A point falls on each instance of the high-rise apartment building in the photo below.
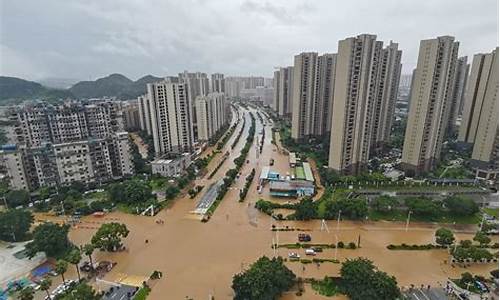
(218, 84)
(131, 118)
(283, 91)
(211, 115)
(171, 117)
(430, 100)
(38, 124)
(145, 113)
(460, 81)
(480, 113)
(389, 74)
(313, 85)
(359, 62)
(86, 161)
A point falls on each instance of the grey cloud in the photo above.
(92, 38)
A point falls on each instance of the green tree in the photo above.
(465, 243)
(61, 268)
(27, 293)
(74, 257)
(461, 206)
(109, 236)
(16, 198)
(81, 291)
(266, 279)
(466, 278)
(424, 207)
(130, 192)
(50, 238)
(88, 249)
(171, 192)
(444, 237)
(351, 208)
(482, 238)
(15, 224)
(45, 286)
(305, 209)
(362, 280)
(384, 203)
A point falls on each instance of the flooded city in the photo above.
(198, 259)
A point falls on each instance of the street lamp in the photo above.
(408, 220)
(338, 220)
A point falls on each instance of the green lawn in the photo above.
(492, 212)
(142, 294)
(326, 287)
(401, 215)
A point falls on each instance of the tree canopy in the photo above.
(461, 206)
(15, 224)
(384, 203)
(16, 198)
(50, 238)
(305, 209)
(130, 192)
(362, 280)
(444, 237)
(109, 236)
(266, 279)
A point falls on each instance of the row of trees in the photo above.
(248, 182)
(269, 278)
(355, 208)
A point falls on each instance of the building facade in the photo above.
(218, 84)
(171, 117)
(431, 95)
(283, 91)
(389, 74)
(211, 115)
(461, 74)
(313, 85)
(479, 125)
(355, 95)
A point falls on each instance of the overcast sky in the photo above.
(88, 39)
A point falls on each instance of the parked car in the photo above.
(303, 237)
(310, 252)
(293, 255)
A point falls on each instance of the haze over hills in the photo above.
(114, 85)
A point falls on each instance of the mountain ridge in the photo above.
(113, 85)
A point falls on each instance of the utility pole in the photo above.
(338, 221)
(408, 220)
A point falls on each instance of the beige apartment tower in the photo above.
(430, 100)
(389, 75)
(461, 73)
(355, 94)
(313, 84)
(480, 112)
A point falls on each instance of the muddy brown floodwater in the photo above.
(199, 259)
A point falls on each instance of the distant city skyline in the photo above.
(92, 39)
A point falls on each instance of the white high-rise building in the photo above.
(430, 100)
(283, 91)
(218, 84)
(171, 117)
(211, 115)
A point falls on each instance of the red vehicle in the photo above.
(303, 237)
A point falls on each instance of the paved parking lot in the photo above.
(425, 294)
(123, 292)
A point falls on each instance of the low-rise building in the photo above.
(171, 167)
